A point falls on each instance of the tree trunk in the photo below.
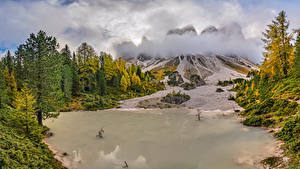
(40, 118)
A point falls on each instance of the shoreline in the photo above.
(65, 161)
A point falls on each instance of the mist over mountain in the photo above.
(227, 40)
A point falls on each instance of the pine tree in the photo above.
(67, 75)
(67, 79)
(101, 83)
(10, 82)
(4, 98)
(42, 72)
(139, 72)
(297, 55)
(9, 61)
(19, 73)
(278, 48)
(25, 106)
(75, 75)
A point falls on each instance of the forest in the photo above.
(39, 81)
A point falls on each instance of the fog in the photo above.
(227, 40)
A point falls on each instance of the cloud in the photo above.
(227, 40)
(103, 23)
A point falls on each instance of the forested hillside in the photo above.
(39, 81)
(271, 97)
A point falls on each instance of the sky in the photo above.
(105, 23)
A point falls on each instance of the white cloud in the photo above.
(103, 23)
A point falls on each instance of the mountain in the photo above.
(189, 29)
(219, 67)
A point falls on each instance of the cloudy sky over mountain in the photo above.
(103, 23)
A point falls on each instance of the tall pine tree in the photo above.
(42, 71)
(297, 54)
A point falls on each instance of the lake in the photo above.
(156, 139)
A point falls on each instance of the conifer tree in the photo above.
(9, 61)
(4, 98)
(109, 66)
(10, 82)
(24, 104)
(67, 76)
(19, 73)
(278, 48)
(75, 75)
(42, 71)
(101, 83)
(136, 81)
(123, 83)
(297, 56)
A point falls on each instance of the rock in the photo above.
(219, 90)
(49, 134)
(209, 30)
(65, 154)
(189, 29)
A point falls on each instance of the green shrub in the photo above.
(253, 121)
(272, 161)
(231, 97)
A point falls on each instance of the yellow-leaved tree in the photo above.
(278, 48)
(136, 81)
(109, 66)
(123, 84)
(24, 104)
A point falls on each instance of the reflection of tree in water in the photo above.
(112, 159)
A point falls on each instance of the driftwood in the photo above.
(100, 133)
(126, 165)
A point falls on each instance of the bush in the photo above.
(272, 161)
(175, 98)
(188, 86)
(253, 121)
(231, 97)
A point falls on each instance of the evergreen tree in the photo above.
(67, 81)
(11, 85)
(75, 75)
(101, 83)
(67, 75)
(139, 72)
(297, 54)
(66, 55)
(278, 47)
(19, 74)
(9, 61)
(42, 69)
(4, 98)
